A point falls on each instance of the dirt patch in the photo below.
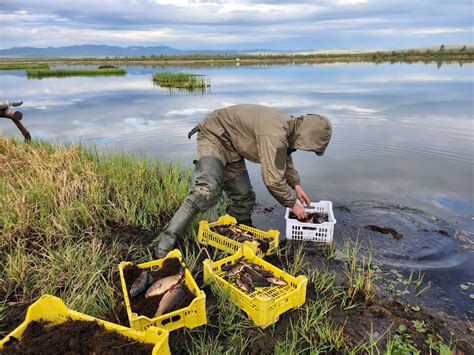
(148, 306)
(129, 235)
(384, 230)
(73, 337)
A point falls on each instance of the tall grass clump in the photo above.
(359, 274)
(61, 73)
(178, 80)
(60, 210)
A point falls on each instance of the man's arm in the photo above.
(291, 175)
(272, 151)
(293, 179)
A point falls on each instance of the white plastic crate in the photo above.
(311, 232)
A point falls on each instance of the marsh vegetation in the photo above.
(60, 73)
(182, 81)
(439, 56)
(23, 66)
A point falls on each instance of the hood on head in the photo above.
(312, 133)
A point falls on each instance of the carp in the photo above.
(237, 268)
(263, 272)
(161, 286)
(276, 281)
(171, 299)
(242, 285)
(248, 281)
(141, 283)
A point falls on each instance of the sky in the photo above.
(246, 24)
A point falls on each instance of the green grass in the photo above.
(359, 274)
(58, 206)
(61, 73)
(178, 80)
(21, 66)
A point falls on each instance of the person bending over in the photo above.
(228, 136)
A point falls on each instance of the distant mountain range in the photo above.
(92, 50)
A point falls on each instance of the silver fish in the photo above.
(276, 281)
(161, 286)
(141, 283)
(237, 268)
(171, 299)
(242, 285)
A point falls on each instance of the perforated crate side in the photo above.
(265, 304)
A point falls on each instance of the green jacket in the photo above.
(266, 136)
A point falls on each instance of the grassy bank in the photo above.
(22, 66)
(69, 215)
(178, 80)
(60, 73)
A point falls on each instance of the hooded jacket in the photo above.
(267, 136)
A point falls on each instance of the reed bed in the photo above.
(62, 73)
(178, 80)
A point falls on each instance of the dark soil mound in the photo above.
(74, 337)
(148, 306)
(384, 230)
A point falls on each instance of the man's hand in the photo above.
(298, 210)
(301, 195)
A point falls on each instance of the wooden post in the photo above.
(16, 117)
(11, 113)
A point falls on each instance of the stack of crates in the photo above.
(263, 305)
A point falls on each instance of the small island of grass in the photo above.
(60, 73)
(179, 80)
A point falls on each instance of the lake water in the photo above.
(401, 153)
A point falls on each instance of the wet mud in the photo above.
(148, 306)
(73, 337)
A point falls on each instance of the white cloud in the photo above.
(237, 24)
(187, 111)
(351, 2)
(352, 108)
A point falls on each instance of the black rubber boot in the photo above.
(177, 226)
(205, 194)
(242, 198)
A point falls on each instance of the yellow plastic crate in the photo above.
(52, 309)
(265, 304)
(192, 316)
(207, 237)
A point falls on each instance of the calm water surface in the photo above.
(401, 153)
